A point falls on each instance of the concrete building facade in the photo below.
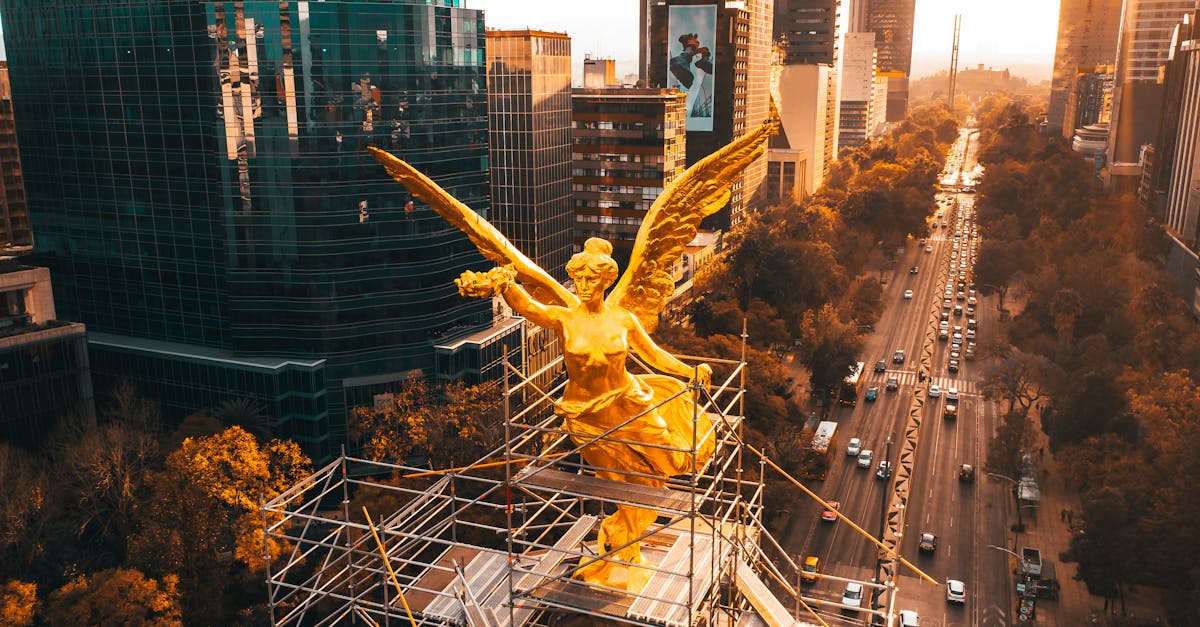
(16, 236)
(630, 144)
(857, 109)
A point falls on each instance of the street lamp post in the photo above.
(1016, 495)
(1000, 548)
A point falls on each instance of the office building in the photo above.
(199, 186)
(808, 129)
(15, 235)
(1180, 159)
(44, 372)
(1145, 42)
(857, 115)
(1087, 37)
(811, 33)
(808, 30)
(892, 23)
(787, 176)
(719, 54)
(599, 73)
(529, 143)
(630, 144)
(1090, 99)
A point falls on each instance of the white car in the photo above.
(853, 595)
(956, 591)
(909, 618)
(853, 447)
(952, 394)
(907, 294)
(934, 390)
(864, 458)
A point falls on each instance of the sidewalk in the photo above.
(1050, 532)
(1048, 529)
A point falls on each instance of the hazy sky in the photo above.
(1018, 34)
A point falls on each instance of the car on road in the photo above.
(898, 356)
(966, 473)
(884, 471)
(909, 618)
(881, 366)
(957, 337)
(972, 301)
(951, 394)
(864, 458)
(956, 591)
(852, 596)
(970, 334)
(944, 325)
(893, 383)
(913, 270)
(872, 393)
(929, 249)
(954, 354)
(969, 354)
(829, 514)
(934, 390)
(943, 334)
(908, 294)
(811, 569)
(928, 543)
(853, 447)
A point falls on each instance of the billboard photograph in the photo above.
(691, 55)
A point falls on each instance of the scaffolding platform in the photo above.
(478, 547)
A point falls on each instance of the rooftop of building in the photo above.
(525, 32)
(623, 91)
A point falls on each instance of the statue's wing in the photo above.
(673, 220)
(490, 242)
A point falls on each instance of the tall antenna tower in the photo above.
(954, 57)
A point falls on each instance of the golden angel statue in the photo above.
(597, 333)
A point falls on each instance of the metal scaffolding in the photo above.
(498, 542)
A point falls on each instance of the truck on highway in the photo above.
(1031, 562)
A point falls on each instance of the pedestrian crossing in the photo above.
(909, 378)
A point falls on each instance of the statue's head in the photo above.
(596, 258)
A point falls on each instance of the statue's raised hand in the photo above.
(485, 284)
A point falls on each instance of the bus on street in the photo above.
(851, 386)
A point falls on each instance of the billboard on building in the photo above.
(691, 57)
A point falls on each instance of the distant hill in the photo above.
(975, 83)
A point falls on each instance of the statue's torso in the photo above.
(594, 350)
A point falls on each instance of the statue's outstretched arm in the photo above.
(660, 359)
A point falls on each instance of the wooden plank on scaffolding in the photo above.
(664, 600)
(661, 499)
(546, 565)
(769, 609)
(483, 573)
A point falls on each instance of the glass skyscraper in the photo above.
(198, 184)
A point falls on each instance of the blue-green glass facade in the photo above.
(196, 174)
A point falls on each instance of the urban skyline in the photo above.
(1018, 35)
